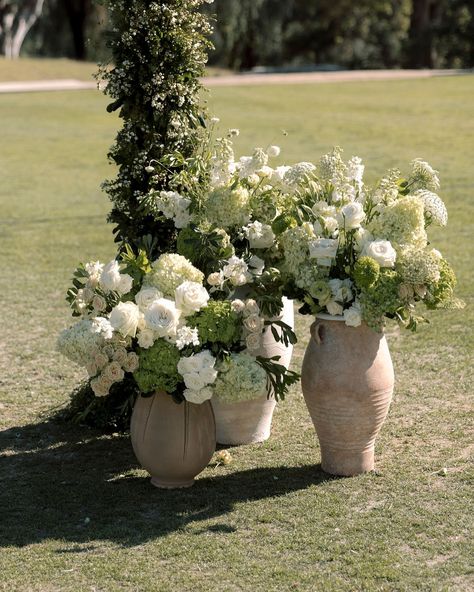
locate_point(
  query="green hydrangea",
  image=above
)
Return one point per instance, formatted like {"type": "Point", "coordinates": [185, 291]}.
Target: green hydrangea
{"type": "Point", "coordinates": [321, 291]}
{"type": "Point", "coordinates": [380, 299]}
{"type": "Point", "coordinates": [441, 295]}
{"type": "Point", "coordinates": [217, 322]}
{"type": "Point", "coordinates": [158, 368]}
{"type": "Point", "coordinates": [170, 271]}
{"type": "Point", "coordinates": [402, 222]}
{"type": "Point", "coordinates": [366, 272]}
{"type": "Point", "coordinates": [240, 378]}
{"type": "Point", "coordinates": [227, 208]}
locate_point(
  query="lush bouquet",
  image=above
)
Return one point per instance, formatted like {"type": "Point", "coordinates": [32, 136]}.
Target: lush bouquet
{"type": "Point", "coordinates": [362, 253]}
{"type": "Point", "coordinates": [155, 321]}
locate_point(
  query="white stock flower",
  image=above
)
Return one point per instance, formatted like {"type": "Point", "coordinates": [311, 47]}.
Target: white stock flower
{"type": "Point", "coordinates": [355, 170]}
{"type": "Point", "coordinates": [381, 251]}
{"type": "Point", "coordinates": [198, 370]}
{"type": "Point", "coordinates": [94, 269]}
{"type": "Point", "coordinates": [324, 250]}
{"type": "Point", "coordinates": [353, 316]}
{"type": "Point", "coordinates": [186, 336]}
{"type": "Point", "coordinates": [351, 215]}
{"type": "Point", "coordinates": [197, 396]}
{"type": "Point", "coordinates": [162, 317]}
{"type": "Point", "coordinates": [146, 296]}
{"type": "Point", "coordinates": [124, 318]}
{"type": "Point", "coordinates": [190, 297]}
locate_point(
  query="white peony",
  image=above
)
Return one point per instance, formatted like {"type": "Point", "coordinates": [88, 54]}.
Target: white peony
{"type": "Point", "coordinates": [353, 316]}
{"type": "Point", "coordinates": [124, 318]}
{"type": "Point", "coordinates": [323, 250]}
{"type": "Point", "coordinates": [381, 251]}
{"type": "Point", "coordinates": [190, 297]}
{"type": "Point", "coordinates": [162, 317]}
{"type": "Point", "coordinates": [146, 296]}
{"type": "Point", "coordinates": [351, 215]}
{"type": "Point", "coordinates": [197, 396]}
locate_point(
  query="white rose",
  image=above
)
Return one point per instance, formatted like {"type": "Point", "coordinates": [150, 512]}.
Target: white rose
{"type": "Point", "coordinates": [146, 338]}
{"type": "Point", "coordinates": [131, 363]}
{"type": "Point", "coordinates": [162, 317]}
{"type": "Point", "coordinates": [237, 305]}
{"type": "Point", "coordinates": [110, 277]}
{"type": "Point", "coordinates": [113, 372]}
{"type": "Point", "coordinates": [352, 214]}
{"type": "Point", "coordinates": [124, 318]}
{"type": "Point", "coordinates": [101, 386]}
{"type": "Point", "coordinates": [197, 396]}
{"type": "Point", "coordinates": [362, 237]}
{"type": "Point", "coordinates": [382, 252]}
{"type": "Point", "coordinates": [190, 297]}
{"type": "Point", "coordinates": [251, 307]}
{"type": "Point", "coordinates": [125, 284]}
{"type": "Point", "coordinates": [352, 316]}
{"type": "Point", "coordinates": [254, 323]}
{"type": "Point", "coordinates": [216, 278]}
{"type": "Point", "coordinates": [253, 341]}
{"type": "Point", "coordinates": [237, 271]}
{"type": "Point", "coordinates": [331, 224]}
{"type": "Point", "coordinates": [324, 250]}
{"type": "Point", "coordinates": [334, 308]}
{"type": "Point", "coordinates": [147, 296]}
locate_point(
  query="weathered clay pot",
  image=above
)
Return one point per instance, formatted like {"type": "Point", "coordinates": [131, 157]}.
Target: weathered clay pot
{"type": "Point", "coordinates": [347, 380]}
{"type": "Point", "coordinates": [173, 442]}
{"type": "Point", "coordinates": [248, 422]}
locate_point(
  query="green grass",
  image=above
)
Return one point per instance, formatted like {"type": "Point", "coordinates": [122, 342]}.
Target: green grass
{"type": "Point", "coordinates": [77, 512]}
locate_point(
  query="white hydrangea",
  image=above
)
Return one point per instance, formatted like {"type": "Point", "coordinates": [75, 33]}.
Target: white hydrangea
{"type": "Point", "coordinates": [174, 206]}
{"type": "Point", "coordinates": [236, 271]}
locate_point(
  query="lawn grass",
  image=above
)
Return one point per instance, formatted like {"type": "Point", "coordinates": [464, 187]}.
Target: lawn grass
{"type": "Point", "coordinates": [77, 512]}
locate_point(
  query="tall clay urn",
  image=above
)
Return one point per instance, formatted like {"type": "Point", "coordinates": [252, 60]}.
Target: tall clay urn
{"type": "Point", "coordinates": [249, 422]}
{"type": "Point", "coordinates": [173, 441]}
{"type": "Point", "coordinates": [347, 380]}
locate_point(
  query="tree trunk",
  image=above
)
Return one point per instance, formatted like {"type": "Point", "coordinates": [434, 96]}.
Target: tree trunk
{"type": "Point", "coordinates": [15, 22]}
{"type": "Point", "coordinates": [420, 36]}
{"type": "Point", "coordinates": [77, 12]}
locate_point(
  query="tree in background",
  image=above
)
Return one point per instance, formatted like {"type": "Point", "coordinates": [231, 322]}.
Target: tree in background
{"type": "Point", "coordinates": [158, 51]}
{"type": "Point", "coordinates": [16, 19]}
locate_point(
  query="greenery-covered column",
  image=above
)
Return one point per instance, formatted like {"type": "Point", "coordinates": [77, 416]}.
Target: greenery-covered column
{"type": "Point", "coordinates": [159, 50]}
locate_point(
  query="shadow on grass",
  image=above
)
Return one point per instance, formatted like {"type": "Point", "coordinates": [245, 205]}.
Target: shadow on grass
{"type": "Point", "coordinates": [64, 482]}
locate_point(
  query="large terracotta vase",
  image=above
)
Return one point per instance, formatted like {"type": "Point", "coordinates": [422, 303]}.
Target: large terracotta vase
{"type": "Point", "coordinates": [248, 422]}
{"type": "Point", "coordinates": [174, 442]}
{"type": "Point", "coordinates": [347, 380]}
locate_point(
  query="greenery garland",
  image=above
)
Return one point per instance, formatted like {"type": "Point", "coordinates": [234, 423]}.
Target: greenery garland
{"type": "Point", "coordinates": [158, 52]}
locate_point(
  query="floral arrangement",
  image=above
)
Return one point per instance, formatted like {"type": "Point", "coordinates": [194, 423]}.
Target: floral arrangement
{"type": "Point", "coordinates": [157, 322]}
{"type": "Point", "coordinates": [362, 253]}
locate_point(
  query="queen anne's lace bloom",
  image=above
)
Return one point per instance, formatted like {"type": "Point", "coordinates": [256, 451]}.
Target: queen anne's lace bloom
{"type": "Point", "coordinates": [424, 176]}
{"type": "Point", "coordinates": [435, 210]}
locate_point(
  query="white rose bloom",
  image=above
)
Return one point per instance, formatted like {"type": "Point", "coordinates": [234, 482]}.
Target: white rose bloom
{"type": "Point", "coordinates": [260, 235]}
{"type": "Point", "coordinates": [341, 289]}
{"type": "Point", "coordinates": [382, 251]}
{"type": "Point", "coordinates": [265, 171]}
{"type": "Point", "coordinates": [94, 269]}
{"type": "Point", "coordinates": [237, 305]}
{"type": "Point", "coordinates": [146, 296]}
{"type": "Point", "coordinates": [254, 323]}
{"type": "Point", "coordinates": [216, 278]}
{"type": "Point", "coordinates": [324, 250]}
{"type": "Point", "coordinates": [352, 315]}
{"type": "Point", "coordinates": [334, 308]}
{"type": "Point", "coordinates": [190, 297]}
{"type": "Point", "coordinates": [110, 277]}
{"type": "Point", "coordinates": [98, 303]}
{"type": "Point", "coordinates": [331, 224]}
{"type": "Point", "coordinates": [126, 283]}
{"type": "Point", "coordinates": [197, 397]}
{"type": "Point", "coordinates": [362, 237]}
{"type": "Point", "coordinates": [351, 215]}
{"type": "Point", "coordinates": [251, 307]}
{"type": "Point", "coordinates": [253, 341]}
{"type": "Point", "coordinates": [162, 317]}
{"type": "Point", "coordinates": [124, 318]}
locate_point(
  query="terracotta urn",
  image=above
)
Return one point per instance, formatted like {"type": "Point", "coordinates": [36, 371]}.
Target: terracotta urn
{"type": "Point", "coordinates": [347, 380]}
{"type": "Point", "coordinates": [248, 422]}
{"type": "Point", "coordinates": [173, 441]}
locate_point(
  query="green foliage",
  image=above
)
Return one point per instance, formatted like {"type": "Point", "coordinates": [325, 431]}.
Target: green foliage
{"type": "Point", "coordinates": [366, 272]}
{"type": "Point", "coordinates": [158, 54]}
{"type": "Point", "coordinates": [158, 368]}
{"type": "Point", "coordinates": [204, 248]}
{"type": "Point", "coordinates": [217, 323]}
{"type": "Point", "coordinates": [279, 378]}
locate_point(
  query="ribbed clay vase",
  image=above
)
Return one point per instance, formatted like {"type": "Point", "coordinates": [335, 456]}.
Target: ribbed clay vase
{"type": "Point", "coordinates": [248, 422]}
{"type": "Point", "coordinates": [347, 380]}
{"type": "Point", "coordinates": [174, 442]}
